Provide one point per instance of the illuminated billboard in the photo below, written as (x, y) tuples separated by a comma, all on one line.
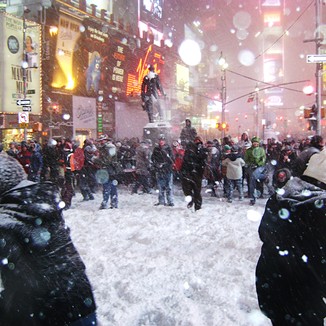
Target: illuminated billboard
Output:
[(18, 83), (182, 75), (151, 12), (67, 39), (135, 75)]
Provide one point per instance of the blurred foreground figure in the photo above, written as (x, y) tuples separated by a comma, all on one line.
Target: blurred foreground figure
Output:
[(43, 279), (291, 271)]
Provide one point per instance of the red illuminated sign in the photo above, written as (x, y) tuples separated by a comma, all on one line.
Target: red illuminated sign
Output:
[(135, 79)]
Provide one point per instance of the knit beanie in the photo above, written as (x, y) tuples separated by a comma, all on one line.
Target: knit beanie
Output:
[(317, 167), (255, 139), (11, 173)]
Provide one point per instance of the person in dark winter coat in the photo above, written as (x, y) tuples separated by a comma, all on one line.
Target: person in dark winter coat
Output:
[(67, 191), (162, 159), (192, 171), (43, 279), (24, 156), (291, 272), (234, 164), (107, 174), (316, 145), (36, 162), (143, 164), (188, 133)]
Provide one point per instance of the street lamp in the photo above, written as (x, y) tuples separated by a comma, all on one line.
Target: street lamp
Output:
[(257, 110), (224, 65)]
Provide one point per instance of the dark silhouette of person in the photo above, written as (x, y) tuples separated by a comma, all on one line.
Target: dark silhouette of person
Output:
[(151, 88)]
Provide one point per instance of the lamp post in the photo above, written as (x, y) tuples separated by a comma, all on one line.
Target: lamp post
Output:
[(224, 65), (319, 68), (25, 64), (257, 110)]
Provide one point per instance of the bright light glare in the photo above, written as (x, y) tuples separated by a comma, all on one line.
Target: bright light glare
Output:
[(190, 53)]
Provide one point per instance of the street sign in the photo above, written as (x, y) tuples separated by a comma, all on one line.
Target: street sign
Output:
[(23, 102), (23, 117), (27, 108), (316, 58)]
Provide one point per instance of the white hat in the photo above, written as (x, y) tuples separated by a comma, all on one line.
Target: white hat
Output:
[(317, 167)]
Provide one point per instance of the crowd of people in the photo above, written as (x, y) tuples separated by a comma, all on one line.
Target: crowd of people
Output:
[(244, 168), (290, 274)]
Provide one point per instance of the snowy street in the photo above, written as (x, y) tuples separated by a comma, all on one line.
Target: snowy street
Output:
[(166, 266)]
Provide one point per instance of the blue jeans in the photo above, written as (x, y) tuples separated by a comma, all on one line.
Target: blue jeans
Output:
[(165, 187), (231, 184), (110, 191), (254, 175)]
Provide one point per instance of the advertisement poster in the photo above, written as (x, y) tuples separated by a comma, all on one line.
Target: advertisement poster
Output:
[(19, 83), (84, 113), (68, 35)]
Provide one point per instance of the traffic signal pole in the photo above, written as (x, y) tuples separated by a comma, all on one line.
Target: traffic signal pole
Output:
[(319, 68)]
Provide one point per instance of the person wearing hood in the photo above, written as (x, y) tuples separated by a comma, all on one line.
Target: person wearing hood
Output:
[(244, 143), (255, 158), (43, 279), (24, 156), (36, 162), (315, 146), (163, 161), (143, 165), (233, 163), (109, 169), (291, 270), (188, 133), (192, 171)]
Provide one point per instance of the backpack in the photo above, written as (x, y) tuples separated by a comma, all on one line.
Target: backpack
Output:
[(77, 159)]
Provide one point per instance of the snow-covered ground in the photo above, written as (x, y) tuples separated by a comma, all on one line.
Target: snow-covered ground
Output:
[(168, 266)]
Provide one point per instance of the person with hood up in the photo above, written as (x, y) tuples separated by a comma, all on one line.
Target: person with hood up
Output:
[(163, 162), (255, 158), (107, 174), (188, 133), (43, 279), (291, 270), (233, 163), (143, 165), (315, 146), (192, 171), (36, 162)]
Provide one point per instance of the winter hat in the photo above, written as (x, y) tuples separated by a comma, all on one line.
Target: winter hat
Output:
[(227, 147), (255, 139), (317, 167), (11, 173), (198, 139), (235, 148), (103, 137)]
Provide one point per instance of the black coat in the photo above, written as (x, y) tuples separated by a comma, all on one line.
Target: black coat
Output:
[(291, 271), (162, 159), (43, 277), (194, 160)]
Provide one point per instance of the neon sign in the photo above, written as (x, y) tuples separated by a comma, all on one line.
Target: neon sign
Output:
[(135, 79)]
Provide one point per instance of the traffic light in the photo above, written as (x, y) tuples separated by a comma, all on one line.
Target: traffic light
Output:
[(55, 108), (222, 126)]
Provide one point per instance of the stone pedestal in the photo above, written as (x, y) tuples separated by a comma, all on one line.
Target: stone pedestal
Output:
[(153, 131)]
